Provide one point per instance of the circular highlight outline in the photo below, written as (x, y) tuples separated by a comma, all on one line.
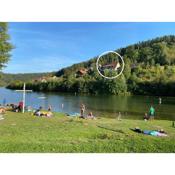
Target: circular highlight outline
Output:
[(105, 53)]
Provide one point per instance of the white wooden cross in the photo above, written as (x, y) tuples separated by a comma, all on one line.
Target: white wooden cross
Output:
[(24, 96)]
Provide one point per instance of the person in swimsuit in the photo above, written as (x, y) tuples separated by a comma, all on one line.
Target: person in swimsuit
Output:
[(82, 111)]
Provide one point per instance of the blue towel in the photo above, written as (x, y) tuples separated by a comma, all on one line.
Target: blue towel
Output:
[(74, 114)]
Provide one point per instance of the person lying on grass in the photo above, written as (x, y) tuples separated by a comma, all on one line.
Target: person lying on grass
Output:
[(90, 116), (40, 113), (160, 133), (2, 110), (37, 113), (49, 114)]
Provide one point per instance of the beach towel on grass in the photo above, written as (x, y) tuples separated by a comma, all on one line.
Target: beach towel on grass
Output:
[(1, 117), (74, 114)]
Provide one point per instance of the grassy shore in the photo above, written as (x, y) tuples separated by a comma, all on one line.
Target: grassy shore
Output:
[(27, 133)]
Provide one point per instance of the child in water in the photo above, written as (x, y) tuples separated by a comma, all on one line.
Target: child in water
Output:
[(160, 100), (62, 105)]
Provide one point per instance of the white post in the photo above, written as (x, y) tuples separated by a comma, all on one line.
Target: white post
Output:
[(24, 98)]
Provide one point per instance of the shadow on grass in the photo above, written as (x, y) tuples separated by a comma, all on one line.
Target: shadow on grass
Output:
[(110, 129)]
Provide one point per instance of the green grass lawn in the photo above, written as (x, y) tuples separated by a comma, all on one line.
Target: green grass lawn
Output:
[(27, 133)]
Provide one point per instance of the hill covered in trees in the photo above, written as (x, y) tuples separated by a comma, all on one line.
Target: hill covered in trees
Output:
[(6, 79), (149, 70)]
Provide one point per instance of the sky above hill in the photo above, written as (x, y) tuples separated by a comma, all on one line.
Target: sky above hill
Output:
[(46, 47)]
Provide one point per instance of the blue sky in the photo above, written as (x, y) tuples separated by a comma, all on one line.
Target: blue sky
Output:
[(46, 47)]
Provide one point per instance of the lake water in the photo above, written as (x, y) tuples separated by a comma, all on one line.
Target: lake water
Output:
[(105, 106)]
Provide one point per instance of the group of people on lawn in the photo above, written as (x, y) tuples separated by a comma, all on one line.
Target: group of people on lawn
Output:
[(19, 107), (40, 113), (48, 113), (14, 107), (147, 116), (90, 115), (82, 113)]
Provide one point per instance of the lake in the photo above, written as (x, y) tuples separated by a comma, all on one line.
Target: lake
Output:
[(102, 105)]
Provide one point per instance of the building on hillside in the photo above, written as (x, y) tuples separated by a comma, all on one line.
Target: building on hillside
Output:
[(41, 79), (54, 77), (45, 79), (81, 72), (113, 66)]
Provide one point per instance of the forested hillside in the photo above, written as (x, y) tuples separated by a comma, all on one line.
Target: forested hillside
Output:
[(6, 79), (149, 70)]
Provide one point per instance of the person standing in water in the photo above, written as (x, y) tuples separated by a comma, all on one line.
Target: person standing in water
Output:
[(82, 111), (151, 112), (160, 100), (62, 105)]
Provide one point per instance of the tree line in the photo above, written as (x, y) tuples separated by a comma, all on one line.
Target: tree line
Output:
[(149, 70)]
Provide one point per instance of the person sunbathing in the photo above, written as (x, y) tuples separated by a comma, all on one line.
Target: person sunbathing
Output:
[(37, 113), (159, 133), (2, 110), (49, 114), (90, 116), (82, 110)]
